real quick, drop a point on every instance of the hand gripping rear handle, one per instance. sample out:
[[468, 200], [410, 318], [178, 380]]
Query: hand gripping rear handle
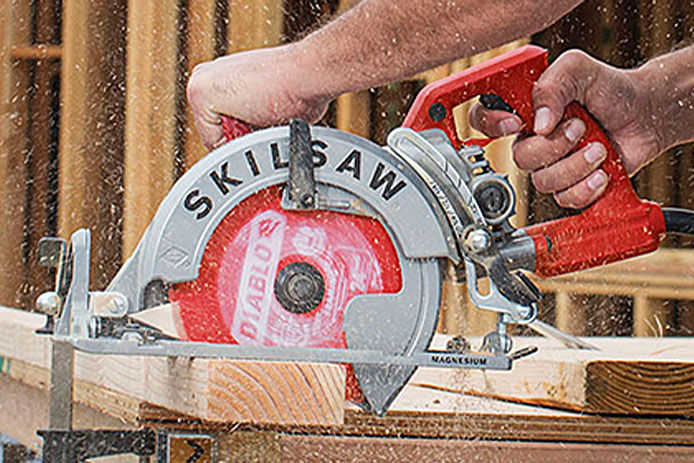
[[619, 225]]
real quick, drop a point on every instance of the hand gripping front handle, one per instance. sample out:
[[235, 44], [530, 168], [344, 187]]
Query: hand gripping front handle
[[619, 225]]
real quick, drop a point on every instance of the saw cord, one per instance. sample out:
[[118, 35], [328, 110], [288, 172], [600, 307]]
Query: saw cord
[[678, 220]]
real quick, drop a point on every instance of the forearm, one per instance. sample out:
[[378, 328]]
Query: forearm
[[668, 82], [379, 41]]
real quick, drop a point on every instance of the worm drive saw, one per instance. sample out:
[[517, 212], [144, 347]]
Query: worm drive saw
[[301, 243]]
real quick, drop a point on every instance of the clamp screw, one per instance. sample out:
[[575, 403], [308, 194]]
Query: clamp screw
[[48, 303], [478, 241]]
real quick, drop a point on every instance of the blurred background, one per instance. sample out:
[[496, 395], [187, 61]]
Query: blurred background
[[94, 130]]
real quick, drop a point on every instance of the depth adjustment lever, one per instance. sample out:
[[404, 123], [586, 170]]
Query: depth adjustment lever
[[301, 187]]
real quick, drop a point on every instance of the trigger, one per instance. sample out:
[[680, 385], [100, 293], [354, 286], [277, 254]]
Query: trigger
[[496, 103]]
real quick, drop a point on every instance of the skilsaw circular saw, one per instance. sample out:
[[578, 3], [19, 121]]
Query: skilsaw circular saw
[[304, 243]]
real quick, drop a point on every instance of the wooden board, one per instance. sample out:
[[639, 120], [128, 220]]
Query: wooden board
[[667, 273], [14, 81], [641, 376], [91, 128], [212, 390], [309, 449], [200, 47], [151, 104]]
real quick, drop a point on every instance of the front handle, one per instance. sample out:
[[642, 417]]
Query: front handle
[[234, 128], [617, 226]]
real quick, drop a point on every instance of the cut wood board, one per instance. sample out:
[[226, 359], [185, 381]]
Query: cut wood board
[[666, 273], [643, 376], [208, 389]]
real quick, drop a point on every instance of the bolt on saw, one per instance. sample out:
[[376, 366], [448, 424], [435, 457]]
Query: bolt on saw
[[301, 243]]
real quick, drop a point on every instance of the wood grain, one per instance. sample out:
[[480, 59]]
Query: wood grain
[[570, 313], [14, 82], [309, 449], [91, 128], [151, 104], [211, 390], [353, 113], [200, 47], [37, 52], [629, 375], [75, 121]]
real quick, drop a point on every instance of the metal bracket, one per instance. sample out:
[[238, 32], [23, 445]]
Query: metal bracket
[[75, 446], [53, 253]]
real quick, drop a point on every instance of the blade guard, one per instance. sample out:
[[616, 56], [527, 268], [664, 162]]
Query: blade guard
[[618, 226]]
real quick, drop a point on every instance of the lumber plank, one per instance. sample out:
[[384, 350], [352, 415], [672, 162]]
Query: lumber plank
[[208, 389], [433, 413], [150, 113], [200, 47], [651, 316], [42, 149], [37, 52], [425, 413], [14, 81], [353, 113], [254, 24], [673, 267], [570, 313], [338, 449], [91, 128], [74, 125], [216, 393], [628, 375]]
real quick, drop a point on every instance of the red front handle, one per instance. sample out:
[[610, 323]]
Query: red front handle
[[619, 225], [234, 128]]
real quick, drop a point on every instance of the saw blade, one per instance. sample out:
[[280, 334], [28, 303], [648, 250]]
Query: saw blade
[[282, 278]]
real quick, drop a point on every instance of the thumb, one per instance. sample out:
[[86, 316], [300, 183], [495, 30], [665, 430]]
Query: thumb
[[566, 80]]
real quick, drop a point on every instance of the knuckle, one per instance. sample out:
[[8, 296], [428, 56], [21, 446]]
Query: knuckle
[[562, 200], [521, 159], [542, 182], [193, 89], [573, 58]]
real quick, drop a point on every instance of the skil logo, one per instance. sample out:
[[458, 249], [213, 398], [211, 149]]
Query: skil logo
[[253, 302], [382, 179], [458, 360]]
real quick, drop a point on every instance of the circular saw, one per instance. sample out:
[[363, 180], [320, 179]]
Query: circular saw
[[303, 243]]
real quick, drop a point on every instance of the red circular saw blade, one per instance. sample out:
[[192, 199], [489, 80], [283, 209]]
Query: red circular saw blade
[[233, 300]]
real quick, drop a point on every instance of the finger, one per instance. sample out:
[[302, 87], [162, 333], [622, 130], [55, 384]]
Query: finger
[[585, 192], [533, 153], [564, 81], [493, 123], [570, 170]]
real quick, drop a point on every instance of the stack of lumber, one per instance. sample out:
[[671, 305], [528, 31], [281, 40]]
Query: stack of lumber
[[633, 391]]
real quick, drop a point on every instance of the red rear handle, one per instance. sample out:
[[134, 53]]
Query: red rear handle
[[234, 128], [619, 225]]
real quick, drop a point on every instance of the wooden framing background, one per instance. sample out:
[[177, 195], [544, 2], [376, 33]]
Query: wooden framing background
[[126, 133]]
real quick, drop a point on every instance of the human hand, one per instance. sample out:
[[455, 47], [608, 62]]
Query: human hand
[[617, 98], [261, 87]]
